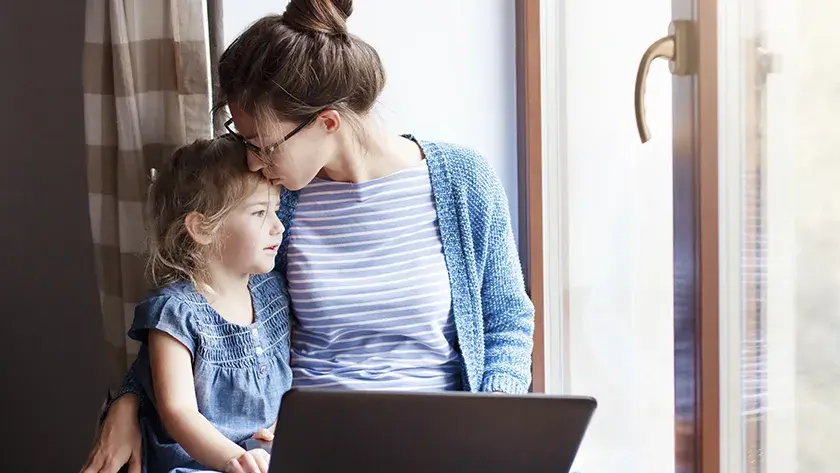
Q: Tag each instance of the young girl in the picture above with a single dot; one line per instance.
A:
(215, 334)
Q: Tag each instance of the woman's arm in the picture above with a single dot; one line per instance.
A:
(131, 387)
(507, 310)
(176, 403)
(118, 442)
(508, 314)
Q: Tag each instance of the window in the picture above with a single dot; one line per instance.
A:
(610, 325)
(782, 219)
(609, 245)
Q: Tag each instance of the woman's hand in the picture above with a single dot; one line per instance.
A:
(252, 461)
(118, 442)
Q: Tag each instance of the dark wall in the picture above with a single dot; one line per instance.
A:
(51, 370)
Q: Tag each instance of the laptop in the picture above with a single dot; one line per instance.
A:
(328, 431)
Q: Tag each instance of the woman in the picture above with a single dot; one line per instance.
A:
(400, 258)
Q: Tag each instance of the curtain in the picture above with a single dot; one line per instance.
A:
(216, 36)
(146, 91)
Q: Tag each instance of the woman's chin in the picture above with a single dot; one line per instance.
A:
(292, 186)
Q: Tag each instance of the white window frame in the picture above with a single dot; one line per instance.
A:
(555, 232)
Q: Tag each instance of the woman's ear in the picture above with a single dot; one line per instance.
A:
(331, 119)
(194, 222)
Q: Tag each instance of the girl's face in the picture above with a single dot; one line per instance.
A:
(308, 147)
(252, 232)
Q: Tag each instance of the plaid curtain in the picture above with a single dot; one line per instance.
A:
(216, 37)
(147, 91)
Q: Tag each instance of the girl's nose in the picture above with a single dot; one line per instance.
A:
(278, 228)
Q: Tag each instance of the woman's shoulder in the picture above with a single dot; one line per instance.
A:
(466, 170)
(452, 153)
(464, 165)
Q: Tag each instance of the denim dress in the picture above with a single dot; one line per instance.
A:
(240, 372)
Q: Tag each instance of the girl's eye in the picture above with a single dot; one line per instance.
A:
(259, 213)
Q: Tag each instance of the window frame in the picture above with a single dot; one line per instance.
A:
(542, 187)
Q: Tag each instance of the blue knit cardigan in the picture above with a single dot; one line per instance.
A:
(493, 315)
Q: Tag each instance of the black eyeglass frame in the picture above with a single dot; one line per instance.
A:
(268, 150)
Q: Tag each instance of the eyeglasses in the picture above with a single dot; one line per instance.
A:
(268, 150)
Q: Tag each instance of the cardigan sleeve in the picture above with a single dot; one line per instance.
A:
(131, 385)
(507, 310)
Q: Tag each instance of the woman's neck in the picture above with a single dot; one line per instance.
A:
(376, 153)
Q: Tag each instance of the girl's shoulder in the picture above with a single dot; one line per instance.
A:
(181, 290)
(177, 298)
(269, 286)
(269, 294)
(171, 309)
(180, 296)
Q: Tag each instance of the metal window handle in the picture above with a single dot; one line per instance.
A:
(677, 47)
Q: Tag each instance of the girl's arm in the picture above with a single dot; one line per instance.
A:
(176, 403)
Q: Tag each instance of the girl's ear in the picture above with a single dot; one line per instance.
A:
(194, 222)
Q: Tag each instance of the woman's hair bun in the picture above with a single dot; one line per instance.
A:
(327, 17)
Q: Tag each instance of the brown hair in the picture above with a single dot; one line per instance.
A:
(292, 66)
(210, 177)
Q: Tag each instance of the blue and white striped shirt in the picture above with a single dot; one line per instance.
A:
(369, 287)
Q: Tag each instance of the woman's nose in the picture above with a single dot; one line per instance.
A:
(255, 163)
